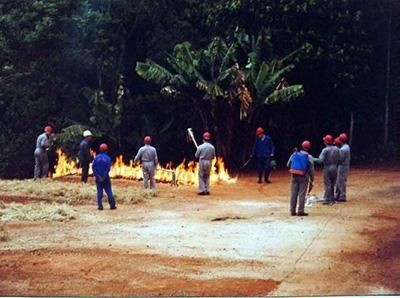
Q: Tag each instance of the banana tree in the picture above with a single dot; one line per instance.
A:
(204, 76)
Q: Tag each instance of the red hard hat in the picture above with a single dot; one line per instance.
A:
(48, 129)
(337, 141)
(259, 131)
(343, 137)
(206, 136)
(147, 140)
(103, 147)
(306, 145)
(328, 139)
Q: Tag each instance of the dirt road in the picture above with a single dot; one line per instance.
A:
(240, 241)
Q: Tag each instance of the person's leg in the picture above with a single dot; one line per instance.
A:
(110, 196)
(294, 190)
(201, 176)
(85, 172)
(38, 166)
(146, 176)
(45, 164)
(99, 187)
(303, 183)
(267, 169)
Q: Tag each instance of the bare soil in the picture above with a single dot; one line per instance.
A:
(239, 241)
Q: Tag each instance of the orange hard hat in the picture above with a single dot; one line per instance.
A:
(259, 131)
(328, 139)
(103, 147)
(337, 141)
(147, 140)
(306, 145)
(48, 129)
(343, 137)
(206, 136)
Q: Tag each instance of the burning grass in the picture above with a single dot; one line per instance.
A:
(51, 191)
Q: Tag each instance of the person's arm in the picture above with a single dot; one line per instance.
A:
(272, 147)
(197, 154)
(94, 167)
(155, 157)
(311, 167)
(138, 156)
(289, 161)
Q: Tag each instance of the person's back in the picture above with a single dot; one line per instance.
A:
(147, 153)
(101, 166)
(330, 156)
(206, 151)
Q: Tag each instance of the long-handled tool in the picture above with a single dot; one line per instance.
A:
(191, 135)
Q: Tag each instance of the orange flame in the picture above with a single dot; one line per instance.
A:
(183, 174)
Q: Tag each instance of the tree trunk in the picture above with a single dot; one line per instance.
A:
(387, 89)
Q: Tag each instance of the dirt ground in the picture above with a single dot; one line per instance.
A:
(240, 241)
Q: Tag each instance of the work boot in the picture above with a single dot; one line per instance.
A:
(293, 213)
(302, 214)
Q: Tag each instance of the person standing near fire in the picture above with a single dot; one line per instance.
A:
(205, 153)
(147, 155)
(101, 167)
(84, 155)
(43, 143)
(343, 168)
(263, 150)
(330, 157)
(301, 166)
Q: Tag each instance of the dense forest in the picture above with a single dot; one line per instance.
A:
(125, 69)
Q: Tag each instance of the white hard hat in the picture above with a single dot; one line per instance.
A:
(87, 133)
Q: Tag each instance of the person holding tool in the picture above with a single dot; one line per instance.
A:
(301, 166)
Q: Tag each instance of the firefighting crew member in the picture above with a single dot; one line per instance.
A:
(101, 167)
(263, 150)
(205, 153)
(301, 166)
(41, 159)
(330, 157)
(343, 169)
(84, 155)
(147, 155)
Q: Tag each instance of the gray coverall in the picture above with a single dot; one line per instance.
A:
(41, 159)
(148, 157)
(299, 183)
(330, 156)
(343, 172)
(205, 153)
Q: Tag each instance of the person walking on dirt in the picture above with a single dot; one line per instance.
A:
(263, 150)
(301, 166)
(147, 155)
(205, 153)
(41, 159)
(84, 155)
(101, 167)
(343, 169)
(330, 157)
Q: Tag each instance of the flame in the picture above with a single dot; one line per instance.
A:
(186, 173)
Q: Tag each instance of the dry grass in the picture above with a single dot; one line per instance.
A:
(67, 192)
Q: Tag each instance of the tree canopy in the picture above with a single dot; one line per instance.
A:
(126, 69)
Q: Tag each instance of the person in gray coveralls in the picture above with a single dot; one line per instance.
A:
(301, 166)
(147, 155)
(205, 153)
(330, 157)
(41, 159)
(343, 169)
